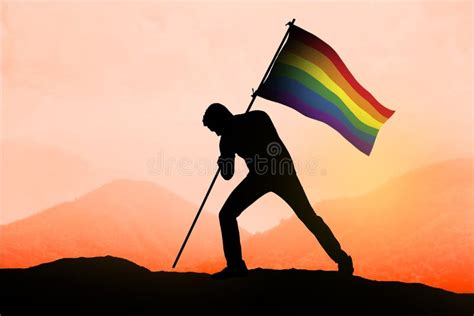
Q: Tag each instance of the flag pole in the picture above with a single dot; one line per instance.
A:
(254, 96)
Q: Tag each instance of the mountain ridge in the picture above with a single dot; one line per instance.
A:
(110, 284)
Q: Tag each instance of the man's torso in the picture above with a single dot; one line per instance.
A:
(253, 137)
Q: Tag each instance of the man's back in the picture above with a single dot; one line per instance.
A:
(253, 137)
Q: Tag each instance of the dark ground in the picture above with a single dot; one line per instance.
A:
(111, 286)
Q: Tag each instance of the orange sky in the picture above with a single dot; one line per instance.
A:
(125, 84)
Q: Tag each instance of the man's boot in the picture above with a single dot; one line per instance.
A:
(232, 271)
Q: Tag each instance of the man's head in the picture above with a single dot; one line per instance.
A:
(216, 118)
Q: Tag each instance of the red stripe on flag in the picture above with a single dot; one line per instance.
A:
(315, 42)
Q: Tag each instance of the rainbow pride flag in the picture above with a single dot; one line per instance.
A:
(311, 78)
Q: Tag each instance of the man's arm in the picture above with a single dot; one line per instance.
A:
(227, 167)
(226, 161)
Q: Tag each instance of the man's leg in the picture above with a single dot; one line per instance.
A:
(289, 189)
(247, 192)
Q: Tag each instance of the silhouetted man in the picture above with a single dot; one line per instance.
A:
(253, 137)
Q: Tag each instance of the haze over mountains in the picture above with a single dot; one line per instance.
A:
(34, 177)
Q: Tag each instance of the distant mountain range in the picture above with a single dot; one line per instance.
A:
(110, 286)
(137, 220)
(414, 228)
